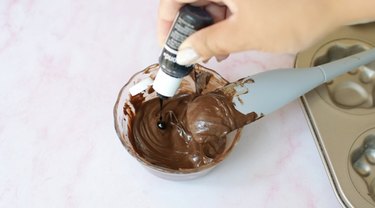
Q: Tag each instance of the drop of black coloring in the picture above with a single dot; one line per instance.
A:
(162, 125)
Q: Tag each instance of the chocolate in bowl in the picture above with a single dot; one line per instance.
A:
(127, 107)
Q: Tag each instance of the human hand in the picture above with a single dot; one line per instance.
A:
(286, 26)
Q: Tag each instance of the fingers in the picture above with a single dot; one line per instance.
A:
(215, 40)
(204, 45)
(168, 10)
(217, 11)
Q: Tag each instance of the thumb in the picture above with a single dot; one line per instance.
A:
(215, 40)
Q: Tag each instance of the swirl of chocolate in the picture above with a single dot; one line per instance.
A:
(212, 115)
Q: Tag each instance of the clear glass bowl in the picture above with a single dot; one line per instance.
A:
(123, 122)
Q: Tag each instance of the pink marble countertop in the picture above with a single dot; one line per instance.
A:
(62, 64)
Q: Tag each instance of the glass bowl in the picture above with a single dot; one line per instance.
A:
(124, 111)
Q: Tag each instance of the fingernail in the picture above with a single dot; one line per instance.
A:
(187, 56)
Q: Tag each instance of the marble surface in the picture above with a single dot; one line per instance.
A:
(62, 64)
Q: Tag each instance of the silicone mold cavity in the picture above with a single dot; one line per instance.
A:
(363, 162)
(344, 130)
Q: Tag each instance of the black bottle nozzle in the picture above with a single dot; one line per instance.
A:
(189, 20)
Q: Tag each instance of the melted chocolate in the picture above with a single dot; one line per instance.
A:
(195, 127)
(212, 115)
(195, 133)
(172, 147)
